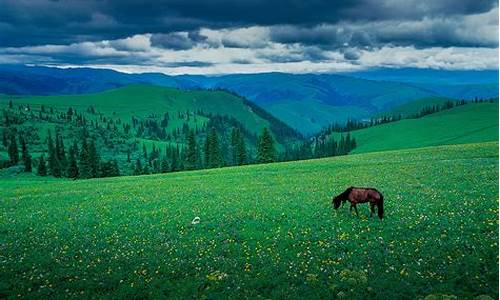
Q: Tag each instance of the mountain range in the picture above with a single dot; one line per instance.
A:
(306, 102)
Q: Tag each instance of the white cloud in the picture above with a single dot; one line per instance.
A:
(252, 50)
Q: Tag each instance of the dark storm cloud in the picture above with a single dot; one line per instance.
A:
(460, 31)
(39, 22)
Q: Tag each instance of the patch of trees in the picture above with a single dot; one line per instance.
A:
(86, 143)
(351, 125)
(319, 147)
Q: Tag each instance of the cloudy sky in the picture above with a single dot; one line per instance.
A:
(249, 36)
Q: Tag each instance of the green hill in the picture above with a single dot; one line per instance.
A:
(265, 231)
(414, 107)
(469, 123)
(146, 100)
(128, 122)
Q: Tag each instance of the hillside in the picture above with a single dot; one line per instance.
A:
(265, 231)
(414, 107)
(142, 122)
(306, 102)
(147, 100)
(469, 123)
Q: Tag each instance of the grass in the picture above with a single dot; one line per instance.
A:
(471, 123)
(145, 100)
(266, 231)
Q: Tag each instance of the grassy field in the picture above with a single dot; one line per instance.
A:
(145, 100)
(265, 231)
(471, 123)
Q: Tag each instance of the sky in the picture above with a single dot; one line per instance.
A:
(250, 36)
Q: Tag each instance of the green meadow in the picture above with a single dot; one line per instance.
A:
(471, 123)
(147, 100)
(265, 231)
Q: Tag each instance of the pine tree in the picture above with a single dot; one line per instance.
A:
(138, 167)
(241, 151)
(115, 168)
(164, 167)
(13, 151)
(25, 156)
(235, 139)
(72, 168)
(54, 164)
(213, 154)
(60, 152)
(84, 166)
(266, 152)
(94, 159)
(42, 167)
(191, 156)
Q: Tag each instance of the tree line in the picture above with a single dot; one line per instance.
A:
(351, 125)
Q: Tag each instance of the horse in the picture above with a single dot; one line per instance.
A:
(357, 195)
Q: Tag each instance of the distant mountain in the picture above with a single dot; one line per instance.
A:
(25, 80)
(307, 102)
(428, 76)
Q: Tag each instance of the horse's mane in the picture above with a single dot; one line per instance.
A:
(346, 192)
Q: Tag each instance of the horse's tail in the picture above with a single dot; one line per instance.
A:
(380, 207)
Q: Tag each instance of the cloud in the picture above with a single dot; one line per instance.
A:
(205, 59)
(38, 22)
(250, 35)
(478, 30)
(175, 40)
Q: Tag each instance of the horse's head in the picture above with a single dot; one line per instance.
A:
(336, 201)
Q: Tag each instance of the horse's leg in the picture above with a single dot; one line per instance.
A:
(350, 209)
(372, 208)
(356, 210)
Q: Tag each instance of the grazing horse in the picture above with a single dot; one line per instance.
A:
(357, 195)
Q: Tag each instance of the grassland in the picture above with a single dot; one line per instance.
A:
(471, 123)
(146, 100)
(265, 231)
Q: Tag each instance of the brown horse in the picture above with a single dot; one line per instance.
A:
(357, 195)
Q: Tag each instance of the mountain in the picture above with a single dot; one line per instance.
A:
(448, 83)
(26, 80)
(306, 102)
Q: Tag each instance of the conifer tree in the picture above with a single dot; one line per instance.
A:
(13, 151)
(60, 152)
(241, 151)
(42, 167)
(54, 165)
(84, 166)
(164, 167)
(191, 156)
(266, 152)
(138, 167)
(25, 156)
(72, 168)
(94, 159)
(235, 139)
(213, 154)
